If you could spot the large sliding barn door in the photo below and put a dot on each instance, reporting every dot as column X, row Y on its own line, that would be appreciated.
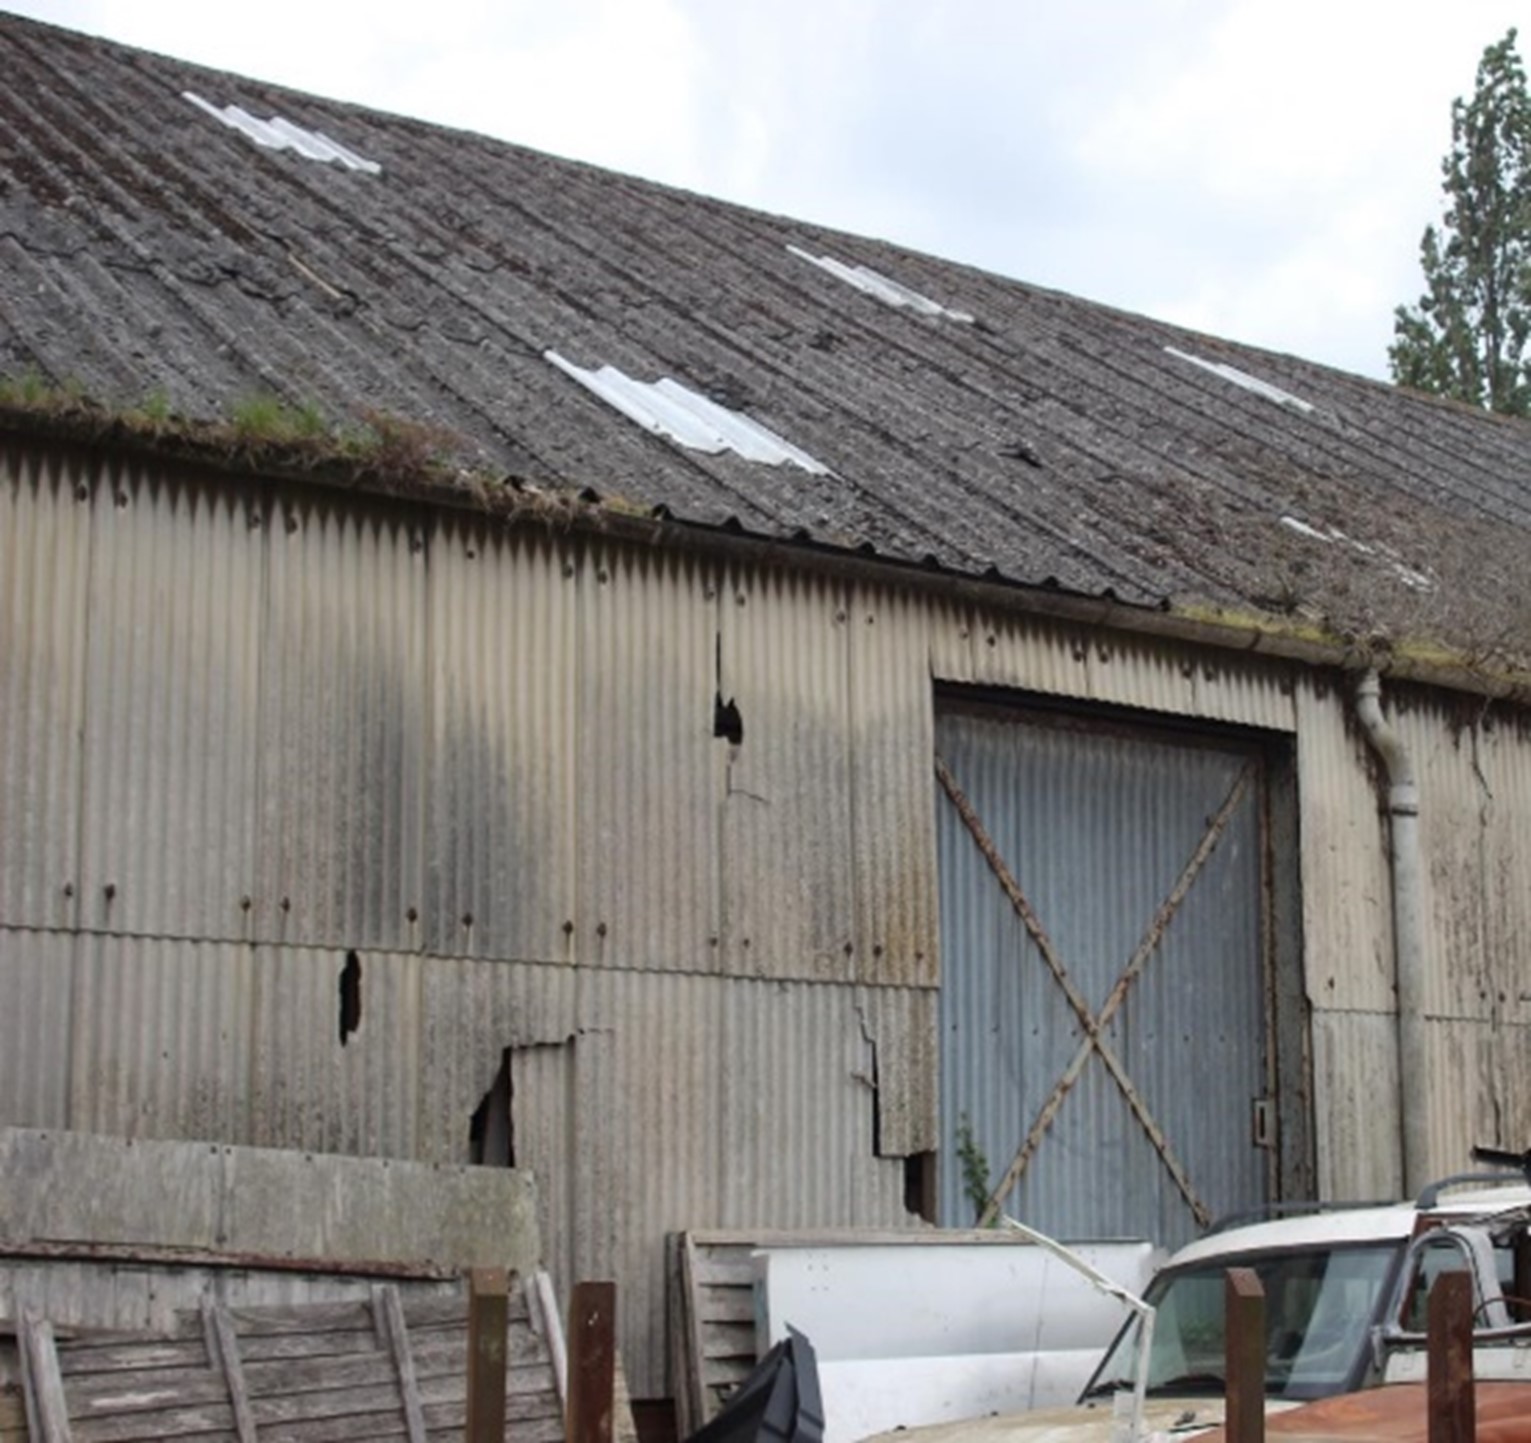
column 1105, row 1027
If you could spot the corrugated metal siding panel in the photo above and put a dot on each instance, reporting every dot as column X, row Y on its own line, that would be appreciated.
column 799, row 1086
column 1355, row 1079
column 160, row 1039
column 37, row 983
column 1507, row 845
column 308, row 1091
column 647, row 1148
column 893, row 826
column 1075, row 813
column 1346, row 891
column 169, row 791
column 500, row 866
column 788, row 867
column 1489, row 1097
column 904, row 1023
column 648, row 769
column 44, row 551
column 343, row 731
column 973, row 647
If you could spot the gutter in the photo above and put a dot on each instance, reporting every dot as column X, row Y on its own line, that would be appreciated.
column 1408, row 932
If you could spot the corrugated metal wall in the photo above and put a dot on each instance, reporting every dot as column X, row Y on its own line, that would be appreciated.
column 247, row 730
column 1098, row 826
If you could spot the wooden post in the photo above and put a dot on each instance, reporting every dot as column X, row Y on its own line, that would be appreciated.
column 1451, row 1402
column 592, row 1362
column 1244, row 1355
column 488, row 1305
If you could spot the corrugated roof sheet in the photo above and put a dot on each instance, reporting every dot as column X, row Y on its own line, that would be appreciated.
column 146, row 247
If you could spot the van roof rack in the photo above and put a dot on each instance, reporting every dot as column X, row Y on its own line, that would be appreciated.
column 1270, row 1211
column 1432, row 1194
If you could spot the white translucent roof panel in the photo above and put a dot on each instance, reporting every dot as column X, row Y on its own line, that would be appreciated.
column 679, row 414
column 1244, row 379
column 279, row 134
column 1386, row 556
column 890, row 292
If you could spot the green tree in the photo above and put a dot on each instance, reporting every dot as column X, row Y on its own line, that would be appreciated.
column 1467, row 337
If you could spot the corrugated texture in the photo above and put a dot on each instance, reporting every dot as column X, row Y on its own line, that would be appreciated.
column 1096, row 827
column 970, row 646
column 1355, row 1074
column 36, row 981
column 343, row 726
column 44, row 552
column 307, row 1090
column 161, row 1044
column 170, row 792
column 720, row 1103
column 1487, row 1102
column 648, row 773
column 786, row 789
column 1347, row 918
column 896, row 936
column 1053, row 442
column 505, row 735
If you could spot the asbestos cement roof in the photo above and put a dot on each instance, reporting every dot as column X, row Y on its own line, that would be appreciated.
column 176, row 232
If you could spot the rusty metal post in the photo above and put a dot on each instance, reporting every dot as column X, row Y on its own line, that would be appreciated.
column 1244, row 1355
column 592, row 1363
column 1451, row 1402
column 488, row 1306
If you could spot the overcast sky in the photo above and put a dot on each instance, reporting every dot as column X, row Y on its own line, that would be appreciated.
column 1256, row 169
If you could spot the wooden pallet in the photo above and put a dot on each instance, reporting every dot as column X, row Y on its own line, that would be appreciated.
column 314, row 1373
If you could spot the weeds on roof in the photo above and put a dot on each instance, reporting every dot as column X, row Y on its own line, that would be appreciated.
column 264, row 419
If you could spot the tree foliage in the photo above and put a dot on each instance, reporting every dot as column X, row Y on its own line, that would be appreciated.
column 1468, row 336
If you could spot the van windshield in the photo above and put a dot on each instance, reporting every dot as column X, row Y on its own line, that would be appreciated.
column 1320, row 1305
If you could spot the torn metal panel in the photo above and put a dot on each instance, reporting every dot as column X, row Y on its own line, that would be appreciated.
column 305, row 1088
column 902, row 1025
column 504, row 741
column 44, row 552
column 786, row 802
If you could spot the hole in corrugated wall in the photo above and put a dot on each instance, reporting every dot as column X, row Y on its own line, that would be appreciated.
column 350, row 996
column 492, row 1131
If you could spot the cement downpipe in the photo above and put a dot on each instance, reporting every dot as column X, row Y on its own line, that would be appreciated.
column 1408, row 932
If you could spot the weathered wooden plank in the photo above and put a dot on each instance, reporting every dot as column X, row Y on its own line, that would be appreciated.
column 727, row 1270
column 393, row 1330
column 728, row 1340
column 223, row 1350
column 447, row 1420
column 423, row 1309
column 302, row 1318
column 163, row 1423
column 82, row 1360
column 47, row 1415
column 105, row 1394
column 728, row 1305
